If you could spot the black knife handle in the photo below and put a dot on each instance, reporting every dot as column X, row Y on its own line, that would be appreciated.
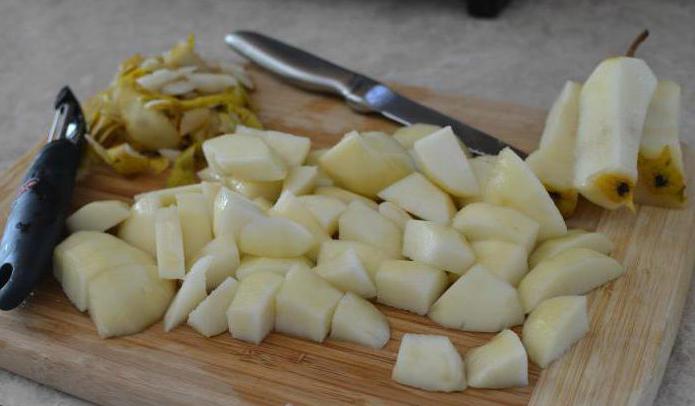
column 35, row 222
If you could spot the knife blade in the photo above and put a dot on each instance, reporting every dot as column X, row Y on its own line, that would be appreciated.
column 362, row 93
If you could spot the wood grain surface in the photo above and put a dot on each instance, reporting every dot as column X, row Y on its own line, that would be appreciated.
column 621, row 361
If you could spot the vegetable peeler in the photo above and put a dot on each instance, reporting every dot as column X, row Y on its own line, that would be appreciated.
column 37, row 216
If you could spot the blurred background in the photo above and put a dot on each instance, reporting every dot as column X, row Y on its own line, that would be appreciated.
column 524, row 56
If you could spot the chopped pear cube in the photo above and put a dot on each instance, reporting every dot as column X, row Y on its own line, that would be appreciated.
column 251, row 315
column 210, row 191
column 326, row 210
column 429, row 362
column 263, row 203
column 499, row 364
column 252, row 189
column 167, row 196
column 371, row 257
column 360, row 223
column 407, row 136
column 305, row 305
column 479, row 301
column 573, row 239
column 482, row 167
column 232, row 212
column 275, row 237
column 418, row 196
column 209, row 317
column 293, row 149
column 313, row 157
column 345, row 196
column 171, row 260
column 409, row 285
column 138, row 229
column 483, row 221
column 505, row 259
column 553, row 327
column 289, row 206
column 437, row 245
column 250, row 265
column 394, row 213
column 347, row 273
column 572, row 272
column 98, row 216
column 225, row 259
column 301, row 180
column 246, row 157
column 189, row 296
column 358, row 321
column 196, row 224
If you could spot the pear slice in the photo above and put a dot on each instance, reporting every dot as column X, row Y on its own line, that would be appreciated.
column 499, row 364
column 478, row 301
column 553, row 327
column 612, row 109
column 347, row 273
column 429, row 362
column 407, row 136
column 293, row 149
column 661, row 180
column 483, row 221
column 98, row 216
column 325, row 209
column 553, row 161
column 250, row 265
column 322, row 178
column 245, row 157
column 305, row 305
column 171, row 260
column 196, row 224
column 127, row 299
column 409, row 285
column 209, row 317
column 232, row 212
column 289, row 206
column 314, row 155
column 394, row 213
column 225, row 259
column 572, row 272
column 138, row 229
column 251, row 315
column 370, row 257
column 512, row 184
column 418, row 196
column 252, row 189
column 441, row 158
column 275, row 237
column 345, row 196
column 301, row 180
column 360, row 223
column 189, row 296
column 573, row 239
column 167, row 196
column 505, row 259
column 210, row 191
column 482, row 167
column 437, row 245
column 358, row 321
column 263, row 203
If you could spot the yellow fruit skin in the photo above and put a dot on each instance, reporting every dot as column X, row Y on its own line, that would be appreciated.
column 565, row 200
column 661, row 181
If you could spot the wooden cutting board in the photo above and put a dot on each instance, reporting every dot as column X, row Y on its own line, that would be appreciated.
column 621, row 361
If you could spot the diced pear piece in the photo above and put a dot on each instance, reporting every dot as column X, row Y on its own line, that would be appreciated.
column 171, row 260
column 612, row 109
column 661, row 180
column 359, row 167
column 572, row 272
column 167, row 196
column 138, row 229
column 512, row 184
column 98, row 216
column 345, row 196
column 505, row 259
column 275, row 237
column 483, row 221
column 305, row 305
column 322, row 178
column 326, row 210
column 358, row 321
column 246, row 157
column 499, row 364
column 225, row 259
column 409, row 285
column 196, row 224
column 263, row 203
column 482, row 167
column 209, row 318
column 314, row 155
column 250, row 265
column 289, row 206
column 189, row 296
column 553, row 161
column 390, row 149
column 251, row 189
column 347, row 273
column 251, row 315
column 418, row 196
column 127, row 299
column 301, row 180
column 479, row 301
column 573, row 239
column 394, row 213
column 371, row 257
column 429, row 362
column 360, row 223
column 437, row 245
column 441, row 158
column 407, row 136
column 553, row 327
column 84, row 255
column 232, row 212
column 293, row 149
column 210, row 191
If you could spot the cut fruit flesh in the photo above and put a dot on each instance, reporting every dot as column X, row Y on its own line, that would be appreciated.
column 250, row 265
column 189, row 296
column 233, row 212
column 275, row 237
column 418, row 196
column 429, row 362
column 437, row 245
column 347, row 273
column 289, row 206
column 507, row 260
column 326, row 210
column 251, row 315
column 358, row 321
column 360, row 223
column 573, row 239
column 244, row 157
column 252, row 190
column 407, row 136
column 196, row 224
column 394, row 213
column 301, row 180
column 501, row 363
column 171, row 260
column 345, row 196
column 138, row 229
column 409, row 285
column 293, row 149
column 209, row 317
column 98, row 216
column 225, row 260
column 371, row 257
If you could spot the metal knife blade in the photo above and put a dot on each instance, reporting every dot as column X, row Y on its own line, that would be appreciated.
column 361, row 92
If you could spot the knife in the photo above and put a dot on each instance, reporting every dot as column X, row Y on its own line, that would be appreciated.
column 362, row 93
column 37, row 216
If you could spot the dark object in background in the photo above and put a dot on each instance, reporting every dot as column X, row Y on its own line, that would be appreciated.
column 486, row 8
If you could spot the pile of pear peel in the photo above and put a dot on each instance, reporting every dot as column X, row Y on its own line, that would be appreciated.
column 279, row 237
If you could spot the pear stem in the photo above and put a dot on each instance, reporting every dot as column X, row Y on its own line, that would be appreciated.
column 636, row 43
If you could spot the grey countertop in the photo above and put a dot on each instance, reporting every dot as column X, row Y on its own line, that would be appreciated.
column 524, row 56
